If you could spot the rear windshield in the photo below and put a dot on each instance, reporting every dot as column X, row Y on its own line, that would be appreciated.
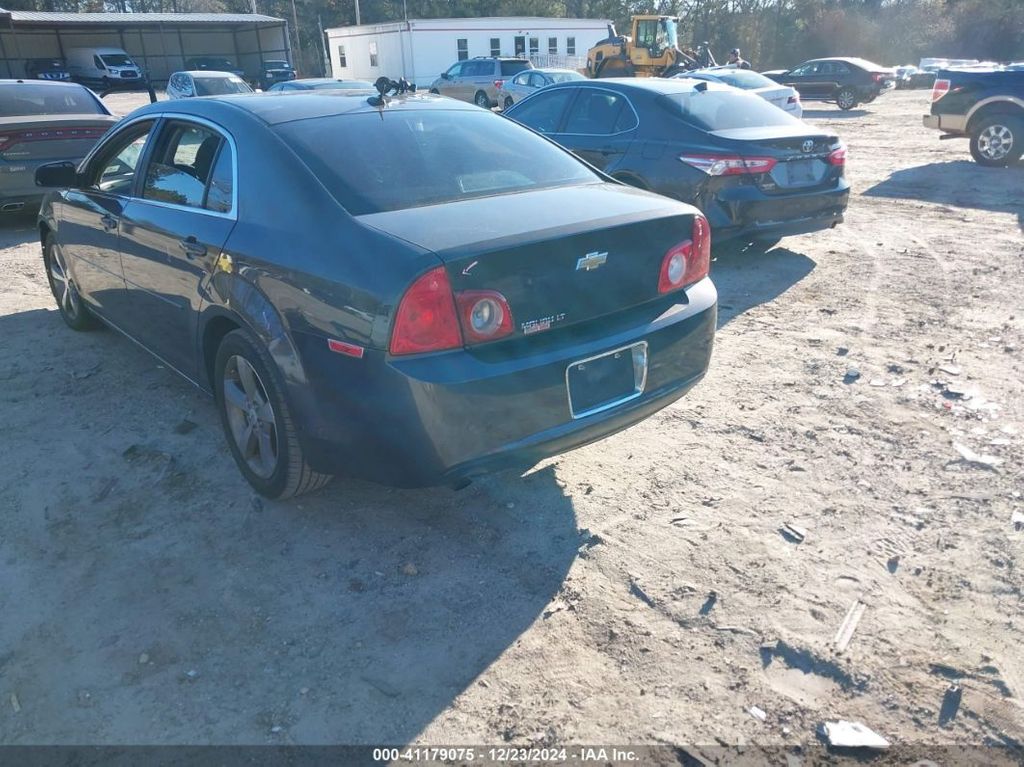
column 406, row 159
column 220, row 86
column 715, row 110
column 509, row 68
column 743, row 78
column 275, row 64
column 23, row 99
column 222, row 63
column 116, row 60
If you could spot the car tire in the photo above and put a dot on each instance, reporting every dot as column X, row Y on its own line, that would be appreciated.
column 482, row 100
column 435, row 91
column 257, row 421
column 997, row 140
column 508, row 102
column 72, row 308
column 846, row 99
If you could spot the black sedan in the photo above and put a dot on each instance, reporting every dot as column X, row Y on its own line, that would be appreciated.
column 757, row 173
column 846, row 82
column 430, row 292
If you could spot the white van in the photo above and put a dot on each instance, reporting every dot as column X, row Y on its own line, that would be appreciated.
column 104, row 67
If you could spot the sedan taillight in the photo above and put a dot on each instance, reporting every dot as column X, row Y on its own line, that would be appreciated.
column 485, row 315
column 498, row 84
column 728, row 165
column 837, row 156
column 426, row 320
column 940, row 89
column 689, row 261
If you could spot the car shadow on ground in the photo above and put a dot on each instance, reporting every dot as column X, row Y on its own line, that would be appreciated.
column 150, row 597
column 960, row 184
column 751, row 277
column 17, row 229
column 833, row 114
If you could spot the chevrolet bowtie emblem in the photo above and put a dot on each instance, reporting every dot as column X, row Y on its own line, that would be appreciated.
column 591, row 261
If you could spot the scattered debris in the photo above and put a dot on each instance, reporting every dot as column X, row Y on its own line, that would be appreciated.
column 898, row 382
column 969, row 456
column 843, row 734
column 842, row 351
column 852, row 374
column 709, row 603
column 950, row 704
column 877, row 382
column 894, row 563
column 639, row 593
column 304, row 691
column 793, row 533
column 409, row 569
column 185, row 426
column 757, row 713
column 1017, row 518
column 143, row 659
column 15, row 703
column 83, row 374
column 192, row 674
column 953, row 370
column 849, row 625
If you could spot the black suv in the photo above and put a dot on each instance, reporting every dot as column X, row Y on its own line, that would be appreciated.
column 478, row 80
column 273, row 72
column 214, row 64
column 843, row 81
column 47, row 69
column 986, row 106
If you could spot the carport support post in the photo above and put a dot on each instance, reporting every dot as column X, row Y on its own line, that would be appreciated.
column 3, row 55
column 181, row 47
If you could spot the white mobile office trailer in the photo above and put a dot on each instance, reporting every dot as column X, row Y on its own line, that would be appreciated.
column 421, row 49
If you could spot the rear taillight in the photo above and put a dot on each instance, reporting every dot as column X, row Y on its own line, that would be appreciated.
column 498, row 84
column 837, row 156
column 940, row 89
column 877, row 77
column 728, row 165
column 688, row 261
column 485, row 315
column 5, row 139
column 426, row 320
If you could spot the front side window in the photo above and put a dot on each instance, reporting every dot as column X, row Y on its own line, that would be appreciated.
column 373, row 54
column 806, row 70
column 495, row 46
column 181, row 165
column 116, row 165
column 462, row 48
column 455, row 70
column 599, row 112
column 543, row 111
column 553, row 45
column 433, row 157
column 97, row 63
column 342, row 61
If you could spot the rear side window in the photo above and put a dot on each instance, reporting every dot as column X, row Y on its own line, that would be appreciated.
column 600, row 113
column 222, row 181
column 181, row 165
column 543, row 111
column 25, row 99
column 509, row 68
column 714, row 110
column 431, row 157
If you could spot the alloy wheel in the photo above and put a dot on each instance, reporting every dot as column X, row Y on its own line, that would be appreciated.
column 846, row 100
column 995, row 142
column 251, row 417
column 63, row 288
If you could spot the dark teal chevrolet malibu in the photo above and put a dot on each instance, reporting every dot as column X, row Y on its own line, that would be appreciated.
column 411, row 291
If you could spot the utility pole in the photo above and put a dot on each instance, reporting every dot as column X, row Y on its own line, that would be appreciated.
column 357, row 13
column 298, row 40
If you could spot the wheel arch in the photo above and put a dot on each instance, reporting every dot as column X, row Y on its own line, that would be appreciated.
column 995, row 105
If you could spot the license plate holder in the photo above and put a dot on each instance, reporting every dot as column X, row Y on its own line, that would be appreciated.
column 606, row 380
column 800, row 172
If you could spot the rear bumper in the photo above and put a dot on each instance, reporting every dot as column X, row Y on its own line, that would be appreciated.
column 746, row 211
column 947, row 123
column 444, row 418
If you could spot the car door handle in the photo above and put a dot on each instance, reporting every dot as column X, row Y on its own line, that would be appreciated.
column 192, row 247
column 108, row 221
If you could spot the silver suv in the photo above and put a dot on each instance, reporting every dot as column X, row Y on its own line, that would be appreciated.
column 478, row 80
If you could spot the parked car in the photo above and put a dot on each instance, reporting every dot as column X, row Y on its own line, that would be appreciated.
column 478, row 80
column 186, row 85
column 273, row 72
column 757, row 173
column 782, row 96
column 985, row 106
column 214, row 64
column 904, row 76
column 321, row 84
column 924, row 77
column 431, row 291
column 846, row 82
column 104, row 68
column 529, row 80
column 41, row 122
column 47, row 69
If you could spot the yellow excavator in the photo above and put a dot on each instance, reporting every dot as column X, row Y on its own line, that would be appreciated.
column 651, row 51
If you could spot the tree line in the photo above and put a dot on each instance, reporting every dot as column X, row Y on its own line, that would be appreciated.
column 771, row 33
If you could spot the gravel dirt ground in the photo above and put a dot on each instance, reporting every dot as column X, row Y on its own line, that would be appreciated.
column 866, row 388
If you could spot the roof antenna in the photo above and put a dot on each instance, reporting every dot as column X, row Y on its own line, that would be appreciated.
column 386, row 85
column 701, row 86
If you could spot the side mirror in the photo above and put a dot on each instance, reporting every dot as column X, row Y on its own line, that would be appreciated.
column 445, row 76
column 57, row 175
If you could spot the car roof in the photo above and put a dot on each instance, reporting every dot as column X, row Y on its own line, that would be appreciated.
column 656, row 85
column 44, row 83
column 275, row 108
column 207, row 73
column 320, row 80
column 551, row 70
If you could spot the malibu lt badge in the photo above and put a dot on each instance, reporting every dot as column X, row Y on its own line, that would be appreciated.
column 591, row 261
